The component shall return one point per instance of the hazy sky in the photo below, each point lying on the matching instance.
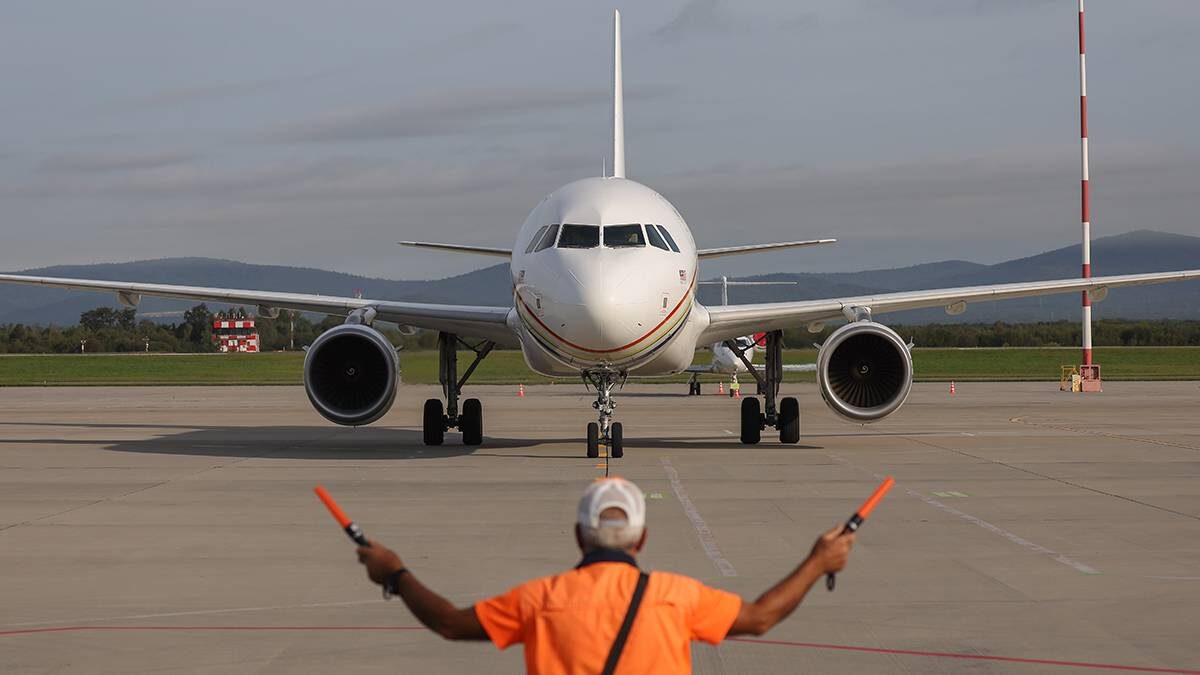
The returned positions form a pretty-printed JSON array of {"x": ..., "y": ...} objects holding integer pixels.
[{"x": 318, "y": 133}]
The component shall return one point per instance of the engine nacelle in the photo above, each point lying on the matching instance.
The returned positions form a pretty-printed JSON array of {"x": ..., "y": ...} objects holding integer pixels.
[
  {"x": 351, "y": 374},
  {"x": 864, "y": 371}
]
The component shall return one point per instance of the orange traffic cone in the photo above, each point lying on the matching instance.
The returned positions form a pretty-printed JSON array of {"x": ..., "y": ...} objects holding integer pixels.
[
  {"x": 520, "y": 391},
  {"x": 737, "y": 391},
  {"x": 951, "y": 387},
  {"x": 720, "y": 388}
]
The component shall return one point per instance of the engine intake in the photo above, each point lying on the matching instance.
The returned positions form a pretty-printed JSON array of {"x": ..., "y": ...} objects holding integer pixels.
[
  {"x": 864, "y": 371},
  {"x": 350, "y": 374}
]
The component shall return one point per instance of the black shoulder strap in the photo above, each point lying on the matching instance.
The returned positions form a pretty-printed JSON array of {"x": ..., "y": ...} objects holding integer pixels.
[{"x": 618, "y": 646}]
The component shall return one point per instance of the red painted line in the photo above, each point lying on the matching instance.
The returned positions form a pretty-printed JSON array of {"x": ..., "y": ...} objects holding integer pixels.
[
  {"x": 969, "y": 657},
  {"x": 71, "y": 629}
]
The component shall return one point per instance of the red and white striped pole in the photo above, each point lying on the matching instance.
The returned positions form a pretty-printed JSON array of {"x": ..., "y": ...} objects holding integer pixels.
[{"x": 1085, "y": 196}]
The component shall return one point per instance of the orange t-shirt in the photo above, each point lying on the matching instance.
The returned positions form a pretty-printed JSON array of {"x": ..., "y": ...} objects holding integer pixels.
[{"x": 568, "y": 622}]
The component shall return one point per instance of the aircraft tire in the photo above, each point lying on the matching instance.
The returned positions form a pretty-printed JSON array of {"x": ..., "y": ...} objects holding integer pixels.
[
  {"x": 616, "y": 441},
  {"x": 471, "y": 422},
  {"x": 593, "y": 440},
  {"x": 751, "y": 421},
  {"x": 433, "y": 422},
  {"x": 789, "y": 420}
]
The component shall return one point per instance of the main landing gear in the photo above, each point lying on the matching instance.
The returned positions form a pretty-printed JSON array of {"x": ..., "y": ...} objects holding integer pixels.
[
  {"x": 436, "y": 420},
  {"x": 694, "y": 385},
  {"x": 755, "y": 418},
  {"x": 604, "y": 431}
]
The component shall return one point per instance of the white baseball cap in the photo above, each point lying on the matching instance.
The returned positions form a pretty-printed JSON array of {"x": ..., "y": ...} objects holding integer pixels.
[{"x": 608, "y": 493}]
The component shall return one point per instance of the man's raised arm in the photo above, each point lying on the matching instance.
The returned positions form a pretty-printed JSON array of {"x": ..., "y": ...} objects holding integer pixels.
[
  {"x": 828, "y": 555},
  {"x": 437, "y": 613}
]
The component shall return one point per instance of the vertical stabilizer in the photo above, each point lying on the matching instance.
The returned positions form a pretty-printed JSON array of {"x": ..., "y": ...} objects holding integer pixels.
[{"x": 618, "y": 112}]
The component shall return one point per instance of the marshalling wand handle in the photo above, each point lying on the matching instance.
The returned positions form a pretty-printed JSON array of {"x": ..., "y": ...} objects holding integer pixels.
[
  {"x": 859, "y": 516},
  {"x": 351, "y": 529}
]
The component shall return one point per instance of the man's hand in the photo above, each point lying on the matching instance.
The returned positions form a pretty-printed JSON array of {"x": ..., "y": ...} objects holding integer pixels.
[
  {"x": 380, "y": 560},
  {"x": 831, "y": 550}
]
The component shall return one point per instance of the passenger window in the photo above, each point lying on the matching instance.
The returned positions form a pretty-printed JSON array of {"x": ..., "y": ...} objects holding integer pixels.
[
  {"x": 623, "y": 236},
  {"x": 656, "y": 239},
  {"x": 669, "y": 238},
  {"x": 536, "y": 238},
  {"x": 579, "y": 236},
  {"x": 548, "y": 240}
]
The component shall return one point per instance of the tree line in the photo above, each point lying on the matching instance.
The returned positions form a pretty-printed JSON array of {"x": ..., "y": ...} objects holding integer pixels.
[
  {"x": 119, "y": 330},
  {"x": 1105, "y": 333}
]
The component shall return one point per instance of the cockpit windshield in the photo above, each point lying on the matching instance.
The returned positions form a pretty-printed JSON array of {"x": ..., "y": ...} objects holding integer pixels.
[
  {"x": 579, "y": 236},
  {"x": 623, "y": 236}
]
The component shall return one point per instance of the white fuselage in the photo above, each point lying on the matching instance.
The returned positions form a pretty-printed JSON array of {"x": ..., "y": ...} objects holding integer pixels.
[{"x": 629, "y": 309}]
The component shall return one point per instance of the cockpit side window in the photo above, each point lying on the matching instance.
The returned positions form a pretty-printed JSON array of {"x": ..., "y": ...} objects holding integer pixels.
[
  {"x": 669, "y": 238},
  {"x": 536, "y": 238},
  {"x": 656, "y": 239},
  {"x": 623, "y": 236},
  {"x": 579, "y": 236},
  {"x": 547, "y": 239}
]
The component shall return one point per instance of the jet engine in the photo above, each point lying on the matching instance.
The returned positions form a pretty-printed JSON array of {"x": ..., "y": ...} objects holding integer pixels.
[
  {"x": 351, "y": 374},
  {"x": 864, "y": 371}
]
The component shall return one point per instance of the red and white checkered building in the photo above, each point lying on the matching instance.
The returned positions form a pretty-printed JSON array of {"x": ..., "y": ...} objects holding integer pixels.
[{"x": 235, "y": 335}]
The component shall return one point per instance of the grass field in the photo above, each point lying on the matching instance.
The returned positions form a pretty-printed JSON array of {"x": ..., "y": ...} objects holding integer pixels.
[{"x": 1119, "y": 363}]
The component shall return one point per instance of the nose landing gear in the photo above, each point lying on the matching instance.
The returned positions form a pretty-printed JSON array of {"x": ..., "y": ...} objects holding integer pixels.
[{"x": 604, "y": 431}]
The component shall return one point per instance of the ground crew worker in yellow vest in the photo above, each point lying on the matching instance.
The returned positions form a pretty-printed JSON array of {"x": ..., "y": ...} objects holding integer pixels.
[
  {"x": 735, "y": 389},
  {"x": 607, "y": 612}
]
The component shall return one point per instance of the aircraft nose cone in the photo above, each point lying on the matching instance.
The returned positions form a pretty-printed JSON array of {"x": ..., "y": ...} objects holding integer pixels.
[{"x": 597, "y": 313}]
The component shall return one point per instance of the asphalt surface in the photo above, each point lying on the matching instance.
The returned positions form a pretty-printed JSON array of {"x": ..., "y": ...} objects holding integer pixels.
[{"x": 150, "y": 530}]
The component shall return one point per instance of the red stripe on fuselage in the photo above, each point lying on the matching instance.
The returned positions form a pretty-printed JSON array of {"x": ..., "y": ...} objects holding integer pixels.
[{"x": 617, "y": 349}]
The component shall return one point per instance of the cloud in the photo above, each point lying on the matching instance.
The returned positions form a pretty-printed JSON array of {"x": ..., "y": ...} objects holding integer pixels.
[
  {"x": 699, "y": 18},
  {"x": 210, "y": 92},
  {"x": 114, "y": 161},
  {"x": 437, "y": 115}
]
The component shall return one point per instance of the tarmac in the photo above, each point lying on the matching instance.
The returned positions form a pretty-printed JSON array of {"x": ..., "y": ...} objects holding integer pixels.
[{"x": 174, "y": 529}]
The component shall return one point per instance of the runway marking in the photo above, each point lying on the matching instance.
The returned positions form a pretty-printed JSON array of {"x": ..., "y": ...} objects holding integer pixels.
[
  {"x": 751, "y": 641},
  {"x": 974, "y": 520},
  {"x": 707, "y": 540},
  {"x": 729, "y": 432},
  {"x": 1031, "y": 472},
  {"x": 968, "y": 657},
  {"x": 72, "y": 629},
  {"x": 197, "y": 612},
  {"x": 1106, "y": 434}
]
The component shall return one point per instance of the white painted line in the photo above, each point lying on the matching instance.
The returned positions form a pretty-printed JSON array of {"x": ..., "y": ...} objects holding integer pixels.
[
  {"x": 199, "y": 612},
  {"x": 728, "y": 432},
  {"x": 995, "y": 529},
  {"x": 707, "y": 541}
]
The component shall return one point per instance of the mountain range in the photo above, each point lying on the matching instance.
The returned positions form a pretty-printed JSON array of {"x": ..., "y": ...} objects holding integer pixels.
[{"x": 1132, "y": 252}]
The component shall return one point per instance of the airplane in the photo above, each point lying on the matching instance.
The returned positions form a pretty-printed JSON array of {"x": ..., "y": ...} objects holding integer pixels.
[
  {"x": 731, "y": 357},
  {"x": 604, "y": 275}
]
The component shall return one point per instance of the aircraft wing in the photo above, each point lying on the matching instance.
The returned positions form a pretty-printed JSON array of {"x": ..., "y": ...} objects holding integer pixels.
[
  {"x": 799, "y": 367},
  {"x": 468, "y": 321},
  {"x": 734, "y": 320},
  {"x": 701, "y": 368}
]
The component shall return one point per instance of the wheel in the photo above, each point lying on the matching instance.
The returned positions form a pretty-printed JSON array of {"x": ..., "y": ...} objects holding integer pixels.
[
  {"x": 593, "y": 439},
  {"x": 731, "y": 391},
  {"x": 697, "y": 388},
  {"x": 616, "y": 441},
  {"x": 758, "y": 389},
  {"x": 691, "y": 388},
  {"x": 789, "y": 420},
  {"x": 751, "y": 421},
  {"x": 433, "y": 424},
  {"x": 470, "y": 422}
]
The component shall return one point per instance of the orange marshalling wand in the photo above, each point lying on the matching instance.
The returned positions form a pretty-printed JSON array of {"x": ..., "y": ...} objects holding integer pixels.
[
  {"x": 352, "y": 530},
  {"x": 861, "y": 514}
]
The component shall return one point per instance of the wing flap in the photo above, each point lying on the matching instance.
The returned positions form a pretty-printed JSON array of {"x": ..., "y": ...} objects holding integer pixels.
[
  {"x": 461, "y": 248},
  {"x": 734, "y": 320},
  {"x": 466, "y": 320},
  {"x": 706, "y": 253}
]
